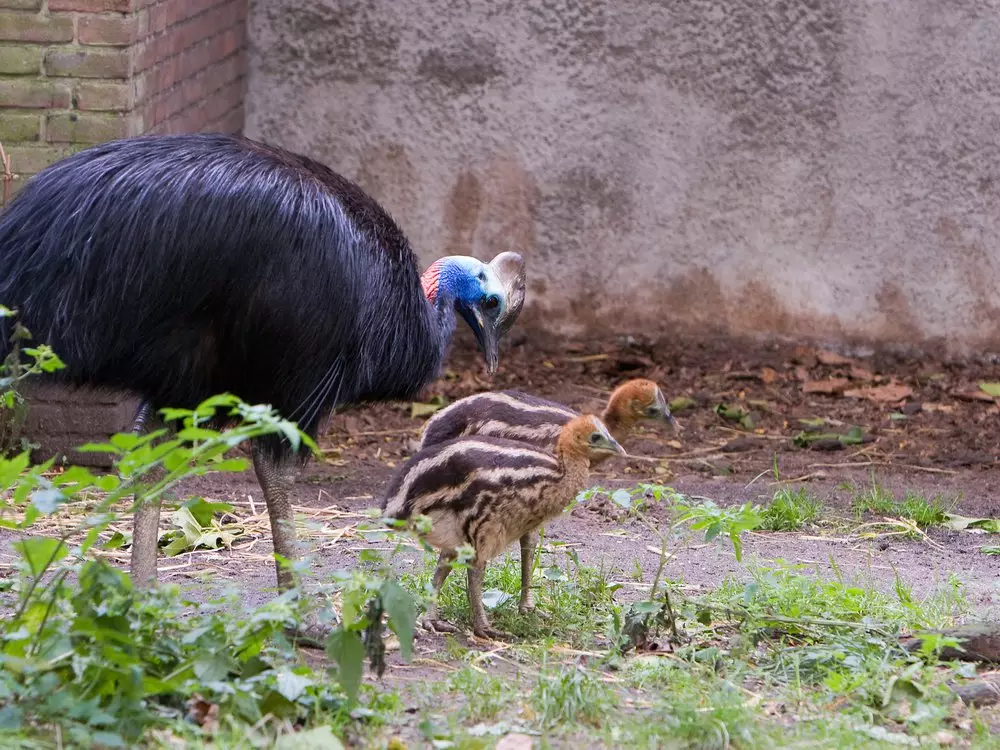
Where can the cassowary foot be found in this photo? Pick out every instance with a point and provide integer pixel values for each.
(485, 631)
(437, 625)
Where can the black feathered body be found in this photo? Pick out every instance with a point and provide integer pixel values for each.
(483, 491)
(507, 414)
(177, 267)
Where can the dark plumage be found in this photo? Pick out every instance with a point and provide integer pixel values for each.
(177, 267)
(536, 421)
(489, 491)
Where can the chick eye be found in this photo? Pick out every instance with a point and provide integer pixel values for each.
(491, 303)
(595, 438)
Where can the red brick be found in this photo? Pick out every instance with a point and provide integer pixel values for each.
(107, 30)
(31, 27)
(89, 64)
(92, 6)
(231, 122)
(34, 94)
(21, 4)
(84, 128)
(108, 97)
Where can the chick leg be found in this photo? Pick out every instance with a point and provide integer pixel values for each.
(146, 521)
(430, 620)
(529, 542)
(480, 625)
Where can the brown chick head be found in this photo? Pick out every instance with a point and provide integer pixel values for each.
(638, 399)
(587, 435)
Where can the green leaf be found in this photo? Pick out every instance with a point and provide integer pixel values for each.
(990, 389)
(40, 552)
(202, 510)
(554, 573)
(108, 739)
(318, 738)
(292, 685)
(493, 598)
(10, 719)
(681, 403)
(402, 611)
(345, 648)
(622, 498)
(48, 500)
(212, 667)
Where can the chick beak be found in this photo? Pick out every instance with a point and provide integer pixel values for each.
(665, 414)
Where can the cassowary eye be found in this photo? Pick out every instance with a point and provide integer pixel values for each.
(492, 302)
(595, 438)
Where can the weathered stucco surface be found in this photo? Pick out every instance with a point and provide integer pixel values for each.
(821, 167)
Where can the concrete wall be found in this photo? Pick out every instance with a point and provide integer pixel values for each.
(822, 167)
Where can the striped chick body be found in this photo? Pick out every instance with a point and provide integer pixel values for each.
(483, 491)
(488, 491)
(510, 414)
(515, 415)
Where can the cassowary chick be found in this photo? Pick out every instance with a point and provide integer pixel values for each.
(519, 416)
(488, 491)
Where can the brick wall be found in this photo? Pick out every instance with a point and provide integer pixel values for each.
(78, 72)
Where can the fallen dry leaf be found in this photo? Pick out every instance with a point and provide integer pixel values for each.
(884, 393)
(971, 395)
(803, 355)
(944, 408)
(801, 374)
(860, 373)
(832, 358)
(768, 375)
(514, 741)
(831, 386)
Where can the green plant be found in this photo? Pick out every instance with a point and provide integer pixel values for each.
(790, 510)
(485, 696)
(13, 372)
(925, 512)
(876, 499)
(570, 695)
(88, 653)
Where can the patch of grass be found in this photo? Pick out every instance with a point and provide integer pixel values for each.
(486, 696)
(569, 696)
(790, 510)
(572, 601)
(876, 499)
(924, 512)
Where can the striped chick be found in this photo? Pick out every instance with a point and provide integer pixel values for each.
(519, 416)
(486, 492)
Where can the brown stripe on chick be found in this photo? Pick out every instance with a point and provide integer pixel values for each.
(490, 413)
(447, 466)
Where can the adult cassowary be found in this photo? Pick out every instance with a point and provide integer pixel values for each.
(178, 267)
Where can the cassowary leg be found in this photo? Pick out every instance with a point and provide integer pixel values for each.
(529, 543)
(146, 522)
(430, 621)
(276, 479)
(480, 625)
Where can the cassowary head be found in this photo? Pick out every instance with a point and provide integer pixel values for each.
(489, 297)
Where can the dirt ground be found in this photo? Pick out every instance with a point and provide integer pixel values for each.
(927, 428)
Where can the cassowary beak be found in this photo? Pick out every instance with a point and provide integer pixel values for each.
(488, 335)
(486, 332)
